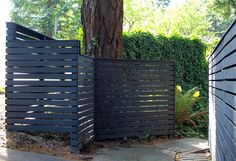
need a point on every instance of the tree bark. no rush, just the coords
(102, 22)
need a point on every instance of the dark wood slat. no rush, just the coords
(86, 100)
(131, 72)
(132, 61)
(41, 76)
(40, 128)
(134, 129)
(133, 93)
(43, 83)
(41, 122)
(85, 113)
(41, 63)
(134, 78)
(130, 109)
(40, 115)
(228, 125)
(27, 31)
(134, 114)
(86, 107)
(224, 63)
(41, 50)
(41, 95)
(41, 69)
(41, 102)
(101, 136)
(41, 89)
(44, 43)
(85, 58)
(229, 48)
(85, 118)
(86, 124)
(137, 98)
(118, 125)
(42, 57)
(230, 143)
(17, 108)
(85, 89)
(85, 131)
(141, 104)
(136, 88)
(140, 118)
(102, 67)
(132, 83)
(25, 37)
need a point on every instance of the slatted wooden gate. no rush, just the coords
(51, 87)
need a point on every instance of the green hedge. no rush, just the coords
(189, 55)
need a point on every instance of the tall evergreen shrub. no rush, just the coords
(189, 55)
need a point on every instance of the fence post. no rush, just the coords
(11, 36)
(74, 137)
(11, 31)
(174, 91)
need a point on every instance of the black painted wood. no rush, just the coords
(42, 83)
(51, 87)
(222, 95)
(132, 96)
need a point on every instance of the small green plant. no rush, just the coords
(186, 118)
(2, 90)
(184, 103)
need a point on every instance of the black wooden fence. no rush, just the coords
(222, 96)
(51, 87)
(133, 98)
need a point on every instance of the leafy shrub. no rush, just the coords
(188, 54)
(188, 120)
(183, 106)
(2, 90)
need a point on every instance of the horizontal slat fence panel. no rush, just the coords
(42, 90)
(133, 98)
(42, 83)
(85, 99)
(18, 32)
(222, 96)
(52, 88)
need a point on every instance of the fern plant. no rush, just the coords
(184, 103)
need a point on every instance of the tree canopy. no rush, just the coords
(60, 19)
(226, 7)
(203, 19)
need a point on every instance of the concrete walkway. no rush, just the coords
(15, 155)
(161, 152)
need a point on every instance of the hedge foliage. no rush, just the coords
(188, 54)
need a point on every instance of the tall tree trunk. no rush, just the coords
(102, 25)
